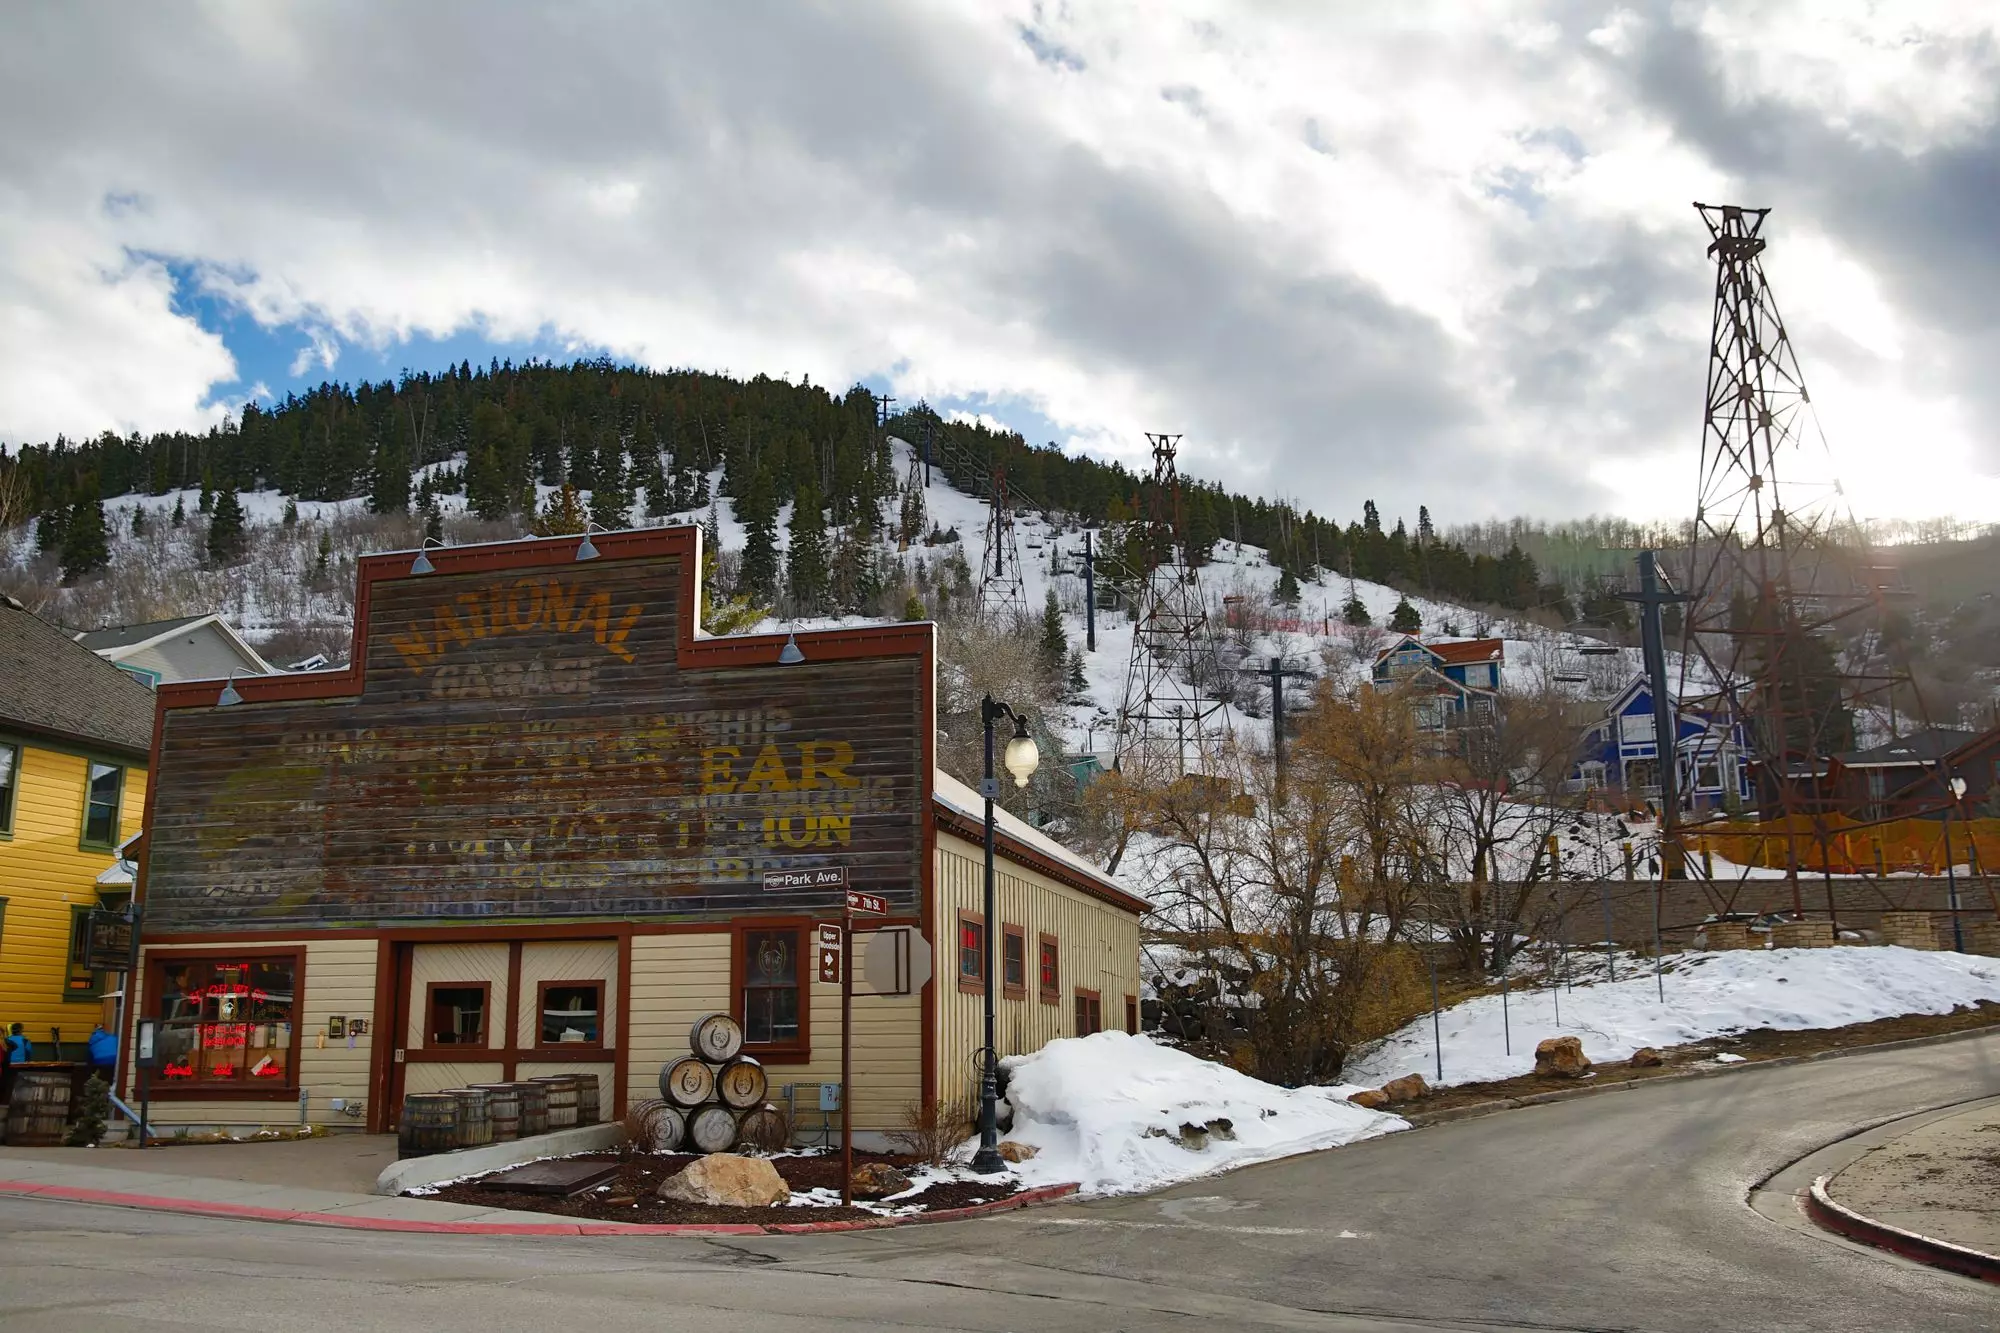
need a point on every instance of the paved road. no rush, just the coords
(1625, 1211)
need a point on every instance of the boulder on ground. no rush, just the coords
(1193, 1137)
(877, 1180)
(1368, 1098)
(727, 1181)
(1222, 1127)
(1408, 1088)
(1013, 1150)
(1562, 1057)
(1646, 1058)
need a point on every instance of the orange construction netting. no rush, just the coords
(1843, 846)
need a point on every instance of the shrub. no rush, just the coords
(935, 1132)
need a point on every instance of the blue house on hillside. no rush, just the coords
(1449, 683)
(1622, 752)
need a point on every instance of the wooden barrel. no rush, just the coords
(475, 1123)
(741, 1084)
(688, 1081)
(713, 1129)
(503, 1110)
(716, 1037)
(534, 1107)
(763, 1127)
(589, 1109)
(664, 1127)
(430, 1124)
(562, 1100)
(38, 1115)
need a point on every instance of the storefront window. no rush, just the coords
(572, 1013)
(770, 986)
(229, 1021)
(458, 1014)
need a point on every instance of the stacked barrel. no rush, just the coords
(496, 1112)
(713, 1096)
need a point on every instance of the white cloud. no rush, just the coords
(1430, 253)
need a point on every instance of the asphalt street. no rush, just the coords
(1624, 1211)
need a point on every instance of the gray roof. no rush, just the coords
(53, 686)
(1924, 746)
(123, 636)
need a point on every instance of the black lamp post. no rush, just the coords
(1022, 759)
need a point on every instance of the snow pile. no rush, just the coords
(1107, 1112)
(1708, 995)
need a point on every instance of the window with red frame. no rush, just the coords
(1051, 973)
(971, 952)
(1013, 962)
(229, 1022)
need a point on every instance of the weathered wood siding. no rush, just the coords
(1097, 947)
(340, 979)
(678, 978)
(526, 745)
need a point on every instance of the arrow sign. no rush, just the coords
(829, 964)
(875, 903)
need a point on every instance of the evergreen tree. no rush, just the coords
(86, 544)
(1201, 532)
(711, 530)
(1079, 686)
(389, 479)
(207, 502)
(806, 572)
(1404, 618)
(433, 519)
(611, 501)
(320, 576)
(226, 541)
(93, 1109)
(562, 514)
(180, 512)
(758, 578)
(138, 520)
(291, 512)
(1354, 611)
(1288, 587)
(913, 608)
(1054, 644)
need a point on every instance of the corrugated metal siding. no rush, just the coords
(43, 874)
(678, 978)
(1098, 949)
(340, 979)
(445, 963)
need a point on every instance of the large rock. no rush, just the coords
(1368, 1098)
(728, 1181)
(1646, 1058)
(1408, 1088)
(877, 1180)
(1562, 1057)
(1013, 1150)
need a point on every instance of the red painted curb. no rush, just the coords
(1823, 1210)
(254, 1213)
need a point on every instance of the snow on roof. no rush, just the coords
(950, 792)
(130, 636)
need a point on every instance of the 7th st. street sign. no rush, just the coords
(821, 877)
(874, 903)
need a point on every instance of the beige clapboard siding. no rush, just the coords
(448, 963)
(428, 1077)
(340, 979)
(678, 978)
(568, 960)
(43, 874)
(1098, 949)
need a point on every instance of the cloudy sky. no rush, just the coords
(1435, 254)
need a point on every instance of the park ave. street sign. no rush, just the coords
(823, 877)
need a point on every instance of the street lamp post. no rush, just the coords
(1021, 759)
(1954, 792)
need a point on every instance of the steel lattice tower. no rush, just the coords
(1775, 635)
(1000, 590)
(1166, 724)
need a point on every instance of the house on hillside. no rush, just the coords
(74, 737)
(1449, 684)
(1621, 751)
(1909, 775)
(162, 652)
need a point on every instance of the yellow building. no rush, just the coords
(74, 736)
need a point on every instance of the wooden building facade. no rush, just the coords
(528, 830)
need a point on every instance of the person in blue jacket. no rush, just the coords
(19, 1049)
(103, 1048)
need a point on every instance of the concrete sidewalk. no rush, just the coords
(346, 1162)
(233, 1181)
(1940, 1180)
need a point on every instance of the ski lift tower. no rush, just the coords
(1001, 593)
(1166, 724)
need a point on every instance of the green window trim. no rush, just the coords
(111, 806)
(10, 785)
(73, 971)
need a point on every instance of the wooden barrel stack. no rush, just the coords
(38, 1115)
(475, 1120)
(589, 1108)
(503, 1109)
(534, 1107)
(717, 1092)
(561, 1100)
(430, 1124)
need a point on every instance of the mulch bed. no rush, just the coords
(631, 1196)
(1755, 1045)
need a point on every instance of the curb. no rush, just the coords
(1835, 1217)
(1421, 1119)
(253, 1213)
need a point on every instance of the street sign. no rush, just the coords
(829, 935)
(896, 960)
(108, 941)
(829, 964)
(874, 903)
(821, 877)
